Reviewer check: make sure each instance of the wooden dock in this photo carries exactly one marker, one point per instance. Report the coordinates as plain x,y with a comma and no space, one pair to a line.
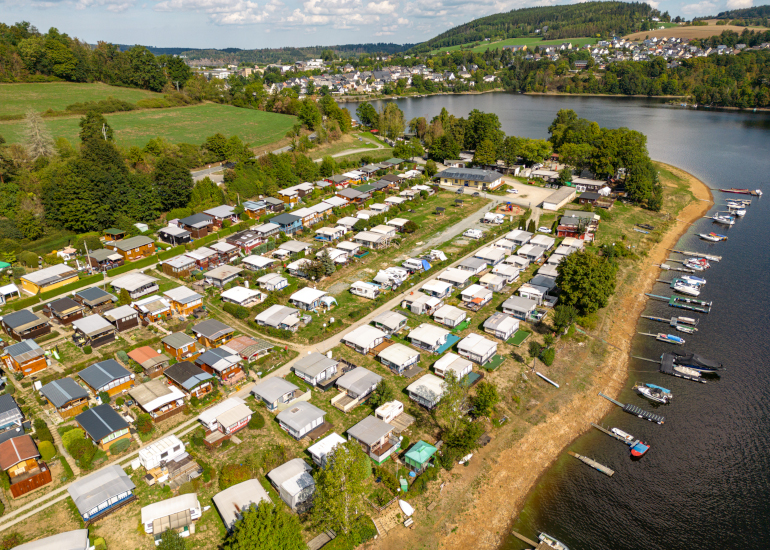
593,464
636,411
711,257
532,543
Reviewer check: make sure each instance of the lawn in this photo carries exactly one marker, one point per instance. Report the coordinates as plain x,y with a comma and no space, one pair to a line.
530,42
177,125
518,338
16,99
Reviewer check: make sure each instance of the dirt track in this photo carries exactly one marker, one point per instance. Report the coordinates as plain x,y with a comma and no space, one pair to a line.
505,478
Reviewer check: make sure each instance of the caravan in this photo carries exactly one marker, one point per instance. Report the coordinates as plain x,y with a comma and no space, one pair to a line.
365,290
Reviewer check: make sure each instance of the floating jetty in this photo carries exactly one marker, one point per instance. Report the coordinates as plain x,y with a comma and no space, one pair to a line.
637,411
668,367
593,464
667,338
637,446
711,257
536,545
666,267
682,324
755,192
683,302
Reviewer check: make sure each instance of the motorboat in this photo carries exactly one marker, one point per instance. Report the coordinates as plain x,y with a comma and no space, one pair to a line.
653,394
551,542
698,264
737,211
709,237
638,448
723,219
693,280
695,361
685,288
626,436
670,339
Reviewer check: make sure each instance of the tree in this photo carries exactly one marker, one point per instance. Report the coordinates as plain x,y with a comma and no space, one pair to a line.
309,114
29,225
533,151
367,115
391,122
328,167
534,349
340,487
205,194
171,540
103,395
37,138
509,150
47,450
173,182
267,527
563,317
485,399
444,147
481,127
430,168
454,402
410,227
382,394
124,298
565,175
531,227
485,154
586,281
94,127
327,262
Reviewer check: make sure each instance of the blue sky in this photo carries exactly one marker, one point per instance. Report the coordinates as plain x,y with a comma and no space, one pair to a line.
277,23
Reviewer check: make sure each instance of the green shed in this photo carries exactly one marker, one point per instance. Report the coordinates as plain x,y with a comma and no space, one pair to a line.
419,455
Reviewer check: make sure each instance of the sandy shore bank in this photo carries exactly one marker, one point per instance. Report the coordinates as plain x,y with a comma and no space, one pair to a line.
494,488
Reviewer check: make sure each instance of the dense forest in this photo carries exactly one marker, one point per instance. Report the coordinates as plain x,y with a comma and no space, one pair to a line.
757,16
289,55
570,21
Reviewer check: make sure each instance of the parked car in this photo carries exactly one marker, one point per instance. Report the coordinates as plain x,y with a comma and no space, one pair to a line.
543,230
459,191
477,194
473,233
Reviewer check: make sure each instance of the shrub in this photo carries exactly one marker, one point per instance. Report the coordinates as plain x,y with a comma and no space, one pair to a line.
70,436
87,350
144,424
42,433
83,451
257,421
388,479
119,401
104,396
548,356
232,474
5,480
47,450
10,389
100,544
119,446
11,540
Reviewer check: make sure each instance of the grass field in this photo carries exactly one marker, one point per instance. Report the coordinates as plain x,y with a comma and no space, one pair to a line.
177,125
529,41
15,99
704,31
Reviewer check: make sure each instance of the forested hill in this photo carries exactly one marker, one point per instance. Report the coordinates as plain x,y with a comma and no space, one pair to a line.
289,55
569,21
745,13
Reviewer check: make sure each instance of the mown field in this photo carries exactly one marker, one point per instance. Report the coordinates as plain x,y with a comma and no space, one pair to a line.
177,125
16,99
529,41
704,31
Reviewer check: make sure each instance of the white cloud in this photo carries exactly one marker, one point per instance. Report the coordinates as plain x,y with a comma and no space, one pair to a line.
655,5
699,8
739,4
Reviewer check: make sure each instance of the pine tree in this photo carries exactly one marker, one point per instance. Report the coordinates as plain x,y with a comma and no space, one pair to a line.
327,262
38,139
124,298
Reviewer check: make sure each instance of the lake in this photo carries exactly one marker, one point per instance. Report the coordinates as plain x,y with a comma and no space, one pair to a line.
705,483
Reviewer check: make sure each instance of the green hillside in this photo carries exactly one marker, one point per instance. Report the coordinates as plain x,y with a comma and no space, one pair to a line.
531,43
568,21
177,125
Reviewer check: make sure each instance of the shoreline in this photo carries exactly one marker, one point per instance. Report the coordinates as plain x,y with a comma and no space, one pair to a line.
505,475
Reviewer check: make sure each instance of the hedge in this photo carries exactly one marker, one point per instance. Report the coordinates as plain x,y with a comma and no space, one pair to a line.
171,252
139,264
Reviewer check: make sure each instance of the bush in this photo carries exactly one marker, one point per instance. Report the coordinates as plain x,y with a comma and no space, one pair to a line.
388,479
100,544
119,401
11,541
87,350
5,480
83,451
548,356
69,437
104,396
257,421
119,446
42,433
10,389
144,424
47,450
232,474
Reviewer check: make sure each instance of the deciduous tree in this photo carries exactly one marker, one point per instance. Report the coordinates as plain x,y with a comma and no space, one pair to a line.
267,527
340,487
173,182
586,281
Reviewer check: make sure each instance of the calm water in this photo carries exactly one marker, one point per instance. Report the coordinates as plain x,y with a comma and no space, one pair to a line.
705,483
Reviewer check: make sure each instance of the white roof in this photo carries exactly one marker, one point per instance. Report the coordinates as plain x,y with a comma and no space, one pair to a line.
182,295
120,312
91,324
307,295
492,279
325,446
429,386
294,246
452,361
504,243
180,261
430,334
47,273
395,200
348,221
455,275
173,394
449,312
223,272
530,250
383,229
435,285
210,415
160,446
221,211
240,294
267,227
364,336
173,230
398,354
233,500
349,246
132,281
165,508
201,253
518,235
477,344
330,230
397,222
490,253
223,247
506,269
8,289
271,279
335,201
542,240
258,261
369,237
476,291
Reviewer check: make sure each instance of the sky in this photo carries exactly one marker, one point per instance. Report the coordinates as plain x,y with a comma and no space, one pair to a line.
251,24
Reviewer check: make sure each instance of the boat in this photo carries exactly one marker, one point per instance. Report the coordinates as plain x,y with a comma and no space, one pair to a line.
670,339
696,362
620,433
721,237
406,507
685,288
698,264
724,220
661,388
693,280
737,211
653,394
687,371
684,324
709,237
756,192
639,449
551,542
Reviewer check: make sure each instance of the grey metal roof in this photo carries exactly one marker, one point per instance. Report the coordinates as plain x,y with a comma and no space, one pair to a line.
370,430
10,413
178,340
69,540
24,351
519,303
542,280
197,221
473,263
272,389
212,329
471,174
389,319
398,354
495,320
93,324
95,296
64,304
300,416
275,315
285,219
233,500
187,374
101,421
359,380
313,364
62,391
101,374
21,318
133,242
7,403
289,470
102,485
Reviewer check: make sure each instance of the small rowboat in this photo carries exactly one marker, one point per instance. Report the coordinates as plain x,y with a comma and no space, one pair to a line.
406,507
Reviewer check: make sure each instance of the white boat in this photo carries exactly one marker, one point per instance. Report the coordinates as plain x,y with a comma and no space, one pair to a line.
738,211
551,542
684,288
406,507
707,237
724,220
693,280
627,436
698,264
687,370
653,394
